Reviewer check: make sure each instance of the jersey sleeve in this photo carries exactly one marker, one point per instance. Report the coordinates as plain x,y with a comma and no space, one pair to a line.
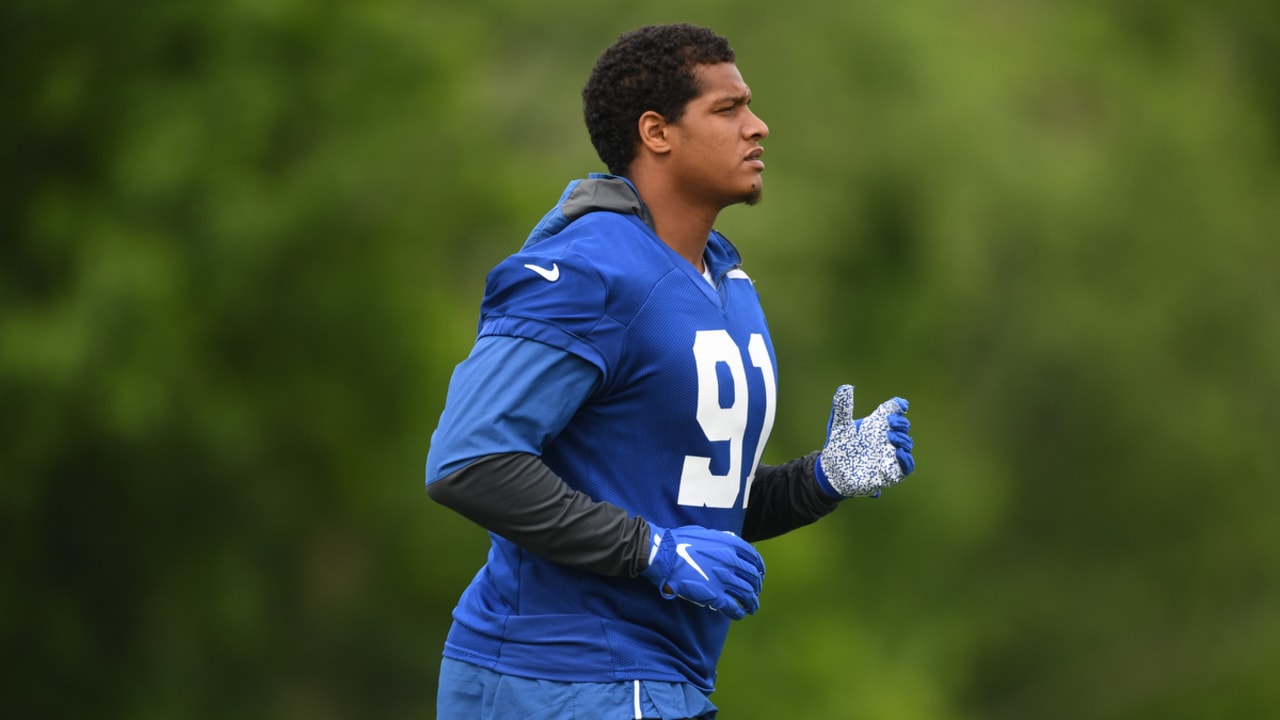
559,299
509,395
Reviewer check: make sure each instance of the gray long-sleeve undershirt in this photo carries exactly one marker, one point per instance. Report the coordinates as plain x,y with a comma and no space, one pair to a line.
518,497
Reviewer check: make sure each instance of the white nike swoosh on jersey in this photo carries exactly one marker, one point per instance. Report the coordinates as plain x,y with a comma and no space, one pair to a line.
551,275
683,551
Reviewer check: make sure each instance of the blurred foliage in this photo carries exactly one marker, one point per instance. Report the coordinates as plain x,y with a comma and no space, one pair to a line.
243,247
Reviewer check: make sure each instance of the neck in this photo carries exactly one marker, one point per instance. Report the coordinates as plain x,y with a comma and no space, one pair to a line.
681,223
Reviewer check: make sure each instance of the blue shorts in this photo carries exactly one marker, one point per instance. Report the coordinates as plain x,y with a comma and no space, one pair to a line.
470,692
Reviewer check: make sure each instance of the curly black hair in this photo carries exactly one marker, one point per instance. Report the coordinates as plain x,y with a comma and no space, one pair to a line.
650,68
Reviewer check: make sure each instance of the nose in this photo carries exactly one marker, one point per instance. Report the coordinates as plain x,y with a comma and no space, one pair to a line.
756,128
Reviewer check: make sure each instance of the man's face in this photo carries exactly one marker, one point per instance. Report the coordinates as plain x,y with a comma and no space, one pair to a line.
717,140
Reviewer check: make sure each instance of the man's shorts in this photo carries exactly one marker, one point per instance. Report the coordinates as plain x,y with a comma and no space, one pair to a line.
470,692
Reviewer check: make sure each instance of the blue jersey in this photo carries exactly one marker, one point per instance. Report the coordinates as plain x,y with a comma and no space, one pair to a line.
671,431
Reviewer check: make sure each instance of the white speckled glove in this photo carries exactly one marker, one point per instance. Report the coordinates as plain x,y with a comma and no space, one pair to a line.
862,457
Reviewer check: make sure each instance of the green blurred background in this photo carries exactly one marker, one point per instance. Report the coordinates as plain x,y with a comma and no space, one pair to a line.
244,245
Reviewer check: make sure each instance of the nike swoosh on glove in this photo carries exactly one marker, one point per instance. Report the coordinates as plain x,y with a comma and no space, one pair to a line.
862,457
712,568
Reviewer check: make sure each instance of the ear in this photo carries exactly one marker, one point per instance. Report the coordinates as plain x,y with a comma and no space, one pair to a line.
654,132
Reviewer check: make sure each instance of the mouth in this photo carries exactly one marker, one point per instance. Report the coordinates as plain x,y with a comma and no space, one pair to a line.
753,158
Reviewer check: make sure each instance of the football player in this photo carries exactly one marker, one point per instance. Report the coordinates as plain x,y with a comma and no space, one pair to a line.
608,424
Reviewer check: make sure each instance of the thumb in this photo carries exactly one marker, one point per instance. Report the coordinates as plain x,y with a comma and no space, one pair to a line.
841,409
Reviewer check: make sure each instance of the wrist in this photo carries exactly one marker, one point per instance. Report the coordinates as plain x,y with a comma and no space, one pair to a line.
824,483
655,570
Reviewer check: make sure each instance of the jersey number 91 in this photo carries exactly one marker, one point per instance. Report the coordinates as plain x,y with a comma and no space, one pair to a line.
699,486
